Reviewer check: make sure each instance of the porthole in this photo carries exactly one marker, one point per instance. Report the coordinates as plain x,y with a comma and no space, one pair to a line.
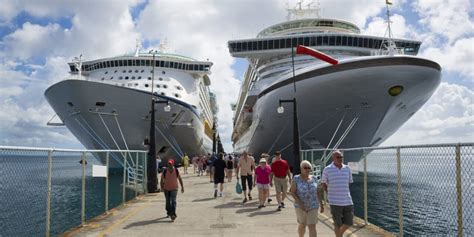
179,88
157,86
124,71
123,84
136,84
115,71
133,78
163,72
102,79
129,71
136,71
151,71
139,78
176,95
162,93
165,86
126,78
146,85
111,78
106,72
160,79
120,78
149,78
142,70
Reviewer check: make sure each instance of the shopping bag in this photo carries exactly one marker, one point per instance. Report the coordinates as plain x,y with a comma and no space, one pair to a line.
238,188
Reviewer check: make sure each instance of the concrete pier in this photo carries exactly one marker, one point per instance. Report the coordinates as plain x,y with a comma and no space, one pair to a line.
200,214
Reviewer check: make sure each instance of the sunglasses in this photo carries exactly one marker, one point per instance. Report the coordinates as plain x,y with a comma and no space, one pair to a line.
307,168
339,156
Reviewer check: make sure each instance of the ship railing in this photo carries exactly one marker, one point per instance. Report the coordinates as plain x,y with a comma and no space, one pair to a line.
410,190
59,189
384,52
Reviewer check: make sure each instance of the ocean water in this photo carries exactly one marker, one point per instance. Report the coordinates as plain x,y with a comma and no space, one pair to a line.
429,200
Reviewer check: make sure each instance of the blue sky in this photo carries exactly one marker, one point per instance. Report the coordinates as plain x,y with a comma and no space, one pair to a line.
38,38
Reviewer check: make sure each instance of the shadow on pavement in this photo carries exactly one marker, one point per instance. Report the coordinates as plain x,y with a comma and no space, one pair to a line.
143,223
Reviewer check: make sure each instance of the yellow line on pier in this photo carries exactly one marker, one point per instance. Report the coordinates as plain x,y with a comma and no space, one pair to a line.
117,223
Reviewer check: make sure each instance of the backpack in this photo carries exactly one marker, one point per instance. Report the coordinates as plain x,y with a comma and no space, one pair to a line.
165,169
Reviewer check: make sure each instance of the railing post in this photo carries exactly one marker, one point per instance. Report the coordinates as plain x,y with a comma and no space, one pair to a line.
145,180
136,175
399,193
124,178
83,199
48,202
366,212
459,190
107,181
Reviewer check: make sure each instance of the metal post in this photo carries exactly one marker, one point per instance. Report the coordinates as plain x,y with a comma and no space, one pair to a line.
296,138
366,213
152,183
124,179
136,175
107,181
48,202
459,190
83,200
399,193
145,161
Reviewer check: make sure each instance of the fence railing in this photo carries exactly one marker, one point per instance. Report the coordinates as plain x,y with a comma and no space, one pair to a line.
53,190
412,190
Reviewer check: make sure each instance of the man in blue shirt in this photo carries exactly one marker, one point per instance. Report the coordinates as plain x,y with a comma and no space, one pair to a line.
336,179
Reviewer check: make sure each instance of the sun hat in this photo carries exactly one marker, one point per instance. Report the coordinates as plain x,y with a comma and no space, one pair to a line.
263,160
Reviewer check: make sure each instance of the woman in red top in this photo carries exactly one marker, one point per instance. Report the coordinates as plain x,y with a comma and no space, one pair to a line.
262,179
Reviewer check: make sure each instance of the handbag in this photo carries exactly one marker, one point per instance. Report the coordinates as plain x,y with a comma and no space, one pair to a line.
238,187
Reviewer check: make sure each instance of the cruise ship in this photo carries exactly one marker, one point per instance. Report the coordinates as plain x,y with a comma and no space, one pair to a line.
377,84
106,103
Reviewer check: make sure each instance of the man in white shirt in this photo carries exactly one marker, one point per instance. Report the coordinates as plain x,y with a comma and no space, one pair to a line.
336,179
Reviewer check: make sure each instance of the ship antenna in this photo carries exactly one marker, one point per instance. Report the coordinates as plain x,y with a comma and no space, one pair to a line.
137,48
78,64
299,13
392,47
163,48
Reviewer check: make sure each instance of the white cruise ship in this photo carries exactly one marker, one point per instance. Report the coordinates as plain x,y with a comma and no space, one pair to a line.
377,85
106,103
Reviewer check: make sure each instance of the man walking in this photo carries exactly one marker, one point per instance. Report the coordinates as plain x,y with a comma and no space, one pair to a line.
336,179
246,167
169,185
280,172
219,172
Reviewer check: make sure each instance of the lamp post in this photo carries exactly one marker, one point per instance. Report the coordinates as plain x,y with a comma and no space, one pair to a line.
296,133
151,168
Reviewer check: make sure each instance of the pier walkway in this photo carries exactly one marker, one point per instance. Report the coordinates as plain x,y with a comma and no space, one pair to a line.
200,214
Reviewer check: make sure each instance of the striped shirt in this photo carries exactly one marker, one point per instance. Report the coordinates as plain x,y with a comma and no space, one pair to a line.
337,181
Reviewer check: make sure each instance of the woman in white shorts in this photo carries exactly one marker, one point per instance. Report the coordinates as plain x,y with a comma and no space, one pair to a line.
262,179
304,190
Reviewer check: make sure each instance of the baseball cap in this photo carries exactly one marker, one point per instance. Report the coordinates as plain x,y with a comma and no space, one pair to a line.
171,162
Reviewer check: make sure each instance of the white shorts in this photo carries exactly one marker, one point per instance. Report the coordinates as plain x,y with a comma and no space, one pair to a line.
307,218
263,186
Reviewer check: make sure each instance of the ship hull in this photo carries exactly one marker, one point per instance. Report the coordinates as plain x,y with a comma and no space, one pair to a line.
123,120
356,92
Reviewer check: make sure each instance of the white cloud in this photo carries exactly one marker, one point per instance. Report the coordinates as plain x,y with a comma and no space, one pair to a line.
447,117
448,18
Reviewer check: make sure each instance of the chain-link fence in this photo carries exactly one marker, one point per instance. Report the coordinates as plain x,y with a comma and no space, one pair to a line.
49,191
412,190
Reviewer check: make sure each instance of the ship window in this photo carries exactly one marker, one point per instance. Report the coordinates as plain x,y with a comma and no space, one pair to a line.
344,40
306,41
206,68
244,46
136,84
171,64
259,45
102,79
180,65
116,63
149,78
142,62
167,64
106,72
124,71
108,63
115,71
163,72
371,43
349,41
162,64
270,44
254,45
70,104
139,78
120,63
165,86
120,78
300,40
377,44
126,78
160,79
129,62
162,93
123,84
312,41
332,40
133,78
282,43
157,63
146,85
338,40
129,71
136,71
176,95
158,86
151,71
201,67
147,63
325,40
319,40
111,78
142,71
178,88
265,45
238,47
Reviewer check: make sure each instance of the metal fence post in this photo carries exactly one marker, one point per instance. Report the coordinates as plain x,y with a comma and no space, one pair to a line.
124,178
83,198
366,213
107,181
145,180
399,193
136,175
48,202
459,190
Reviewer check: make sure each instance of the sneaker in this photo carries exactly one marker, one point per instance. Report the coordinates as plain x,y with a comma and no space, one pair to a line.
173,217
250,197
260,206
282,205
279,208
220,194
245,200
269,200
215,193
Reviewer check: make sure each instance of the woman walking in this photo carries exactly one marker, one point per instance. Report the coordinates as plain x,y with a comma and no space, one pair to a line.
262,179
304,190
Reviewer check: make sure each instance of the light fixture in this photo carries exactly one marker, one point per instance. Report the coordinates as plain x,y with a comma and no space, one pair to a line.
280,109
167,108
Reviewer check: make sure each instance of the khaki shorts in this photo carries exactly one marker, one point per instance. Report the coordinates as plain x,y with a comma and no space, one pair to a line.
281,184
307,218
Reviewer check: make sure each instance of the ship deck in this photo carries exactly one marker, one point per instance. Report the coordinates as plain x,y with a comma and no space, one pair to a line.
200,214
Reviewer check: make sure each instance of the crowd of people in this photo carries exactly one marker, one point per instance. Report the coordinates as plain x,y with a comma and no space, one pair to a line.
306,190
